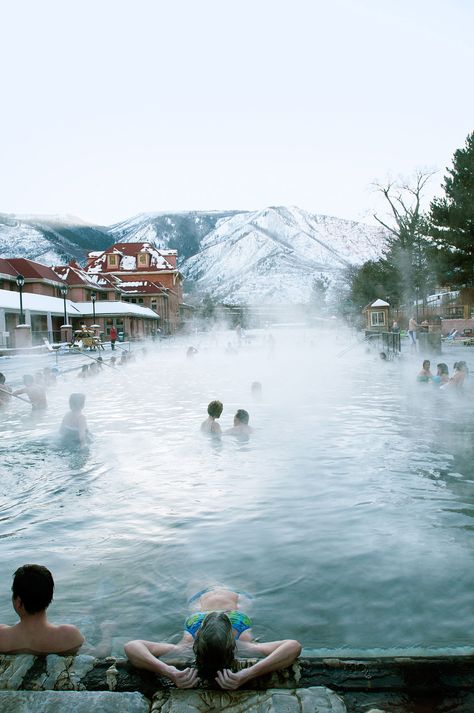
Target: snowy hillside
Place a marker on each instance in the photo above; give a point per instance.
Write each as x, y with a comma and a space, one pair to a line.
274, 255
48, 239
179, 231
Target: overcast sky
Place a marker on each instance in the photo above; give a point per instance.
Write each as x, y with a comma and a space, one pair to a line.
111, 107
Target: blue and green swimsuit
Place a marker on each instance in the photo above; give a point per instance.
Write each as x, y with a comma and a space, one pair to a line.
240, 622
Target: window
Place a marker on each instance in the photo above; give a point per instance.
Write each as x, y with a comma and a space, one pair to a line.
153, 305
377, 318
112, 260
142, 259
140, 300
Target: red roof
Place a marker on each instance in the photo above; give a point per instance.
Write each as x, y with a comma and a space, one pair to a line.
7, 269
75, 275
33, 270
159, 261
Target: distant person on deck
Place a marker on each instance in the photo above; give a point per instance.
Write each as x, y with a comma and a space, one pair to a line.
113, 337
32, 590
35, 393
5, 392
412, 327
210, 425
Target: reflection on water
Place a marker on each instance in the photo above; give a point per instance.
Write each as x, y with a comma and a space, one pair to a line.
348, 513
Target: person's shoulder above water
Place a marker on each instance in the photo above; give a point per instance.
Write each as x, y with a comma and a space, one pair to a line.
32, 593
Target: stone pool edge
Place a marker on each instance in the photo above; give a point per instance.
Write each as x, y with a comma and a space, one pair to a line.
321, 683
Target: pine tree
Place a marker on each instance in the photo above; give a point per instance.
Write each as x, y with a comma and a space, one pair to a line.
451, 221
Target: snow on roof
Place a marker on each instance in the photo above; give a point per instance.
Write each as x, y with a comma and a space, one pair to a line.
55, 305
128, 262
106, 307
379, 303
129, 252
36, 303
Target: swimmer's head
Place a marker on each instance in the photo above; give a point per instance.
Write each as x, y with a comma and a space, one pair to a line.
442, 369
214, 645
383, 356
242, 416
34, 586
426, 364
77, 401
2, 378
215, 409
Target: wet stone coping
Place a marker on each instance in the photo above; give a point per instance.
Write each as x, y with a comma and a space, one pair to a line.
313, 685
82, 672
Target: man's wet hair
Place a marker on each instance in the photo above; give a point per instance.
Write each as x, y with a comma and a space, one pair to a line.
77, 401
34, 584
242, 415
215, 409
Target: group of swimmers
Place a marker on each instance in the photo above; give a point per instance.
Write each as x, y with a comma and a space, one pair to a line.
442, 378
214, 631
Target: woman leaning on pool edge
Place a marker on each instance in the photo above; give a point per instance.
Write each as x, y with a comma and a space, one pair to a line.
214, 634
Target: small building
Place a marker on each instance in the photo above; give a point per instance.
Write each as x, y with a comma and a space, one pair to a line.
377, 316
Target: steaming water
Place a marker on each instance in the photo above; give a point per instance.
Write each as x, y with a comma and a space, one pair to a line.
349, 513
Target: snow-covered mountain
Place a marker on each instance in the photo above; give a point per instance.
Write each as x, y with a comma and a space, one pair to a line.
275, 255
272, 255
50, 240
179, 231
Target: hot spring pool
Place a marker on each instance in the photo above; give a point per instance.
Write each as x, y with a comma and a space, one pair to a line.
349, 512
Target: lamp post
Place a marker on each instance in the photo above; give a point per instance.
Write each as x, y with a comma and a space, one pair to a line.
93, 299
64, 290
20, 281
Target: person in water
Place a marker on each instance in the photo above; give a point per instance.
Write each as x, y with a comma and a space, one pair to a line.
216, 631
5, 391
35, 393
256, 390
241, 426
425, 373
442, 374
458, 377
73, 429
32, 593
210, 425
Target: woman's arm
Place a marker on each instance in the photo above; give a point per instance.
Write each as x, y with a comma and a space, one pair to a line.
278, 655
144, 654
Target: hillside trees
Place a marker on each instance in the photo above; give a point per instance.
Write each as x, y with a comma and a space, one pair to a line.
407, 250
451, 221
403, 274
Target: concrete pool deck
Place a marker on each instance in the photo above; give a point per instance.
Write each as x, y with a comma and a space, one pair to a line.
55, 684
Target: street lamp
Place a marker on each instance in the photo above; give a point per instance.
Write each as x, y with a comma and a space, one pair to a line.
93, 299
64, 290
20, 281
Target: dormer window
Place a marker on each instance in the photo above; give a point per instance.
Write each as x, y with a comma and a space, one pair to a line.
112, 260
143, 259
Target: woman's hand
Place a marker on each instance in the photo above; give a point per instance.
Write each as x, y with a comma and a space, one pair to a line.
187, 678
229, 680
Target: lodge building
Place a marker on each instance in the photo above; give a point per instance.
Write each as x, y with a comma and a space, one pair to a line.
134, 287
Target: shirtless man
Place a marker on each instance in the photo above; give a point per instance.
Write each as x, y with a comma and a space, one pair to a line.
32, 589
210, 425
35, 393
241, 424
74, 426
5, 392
